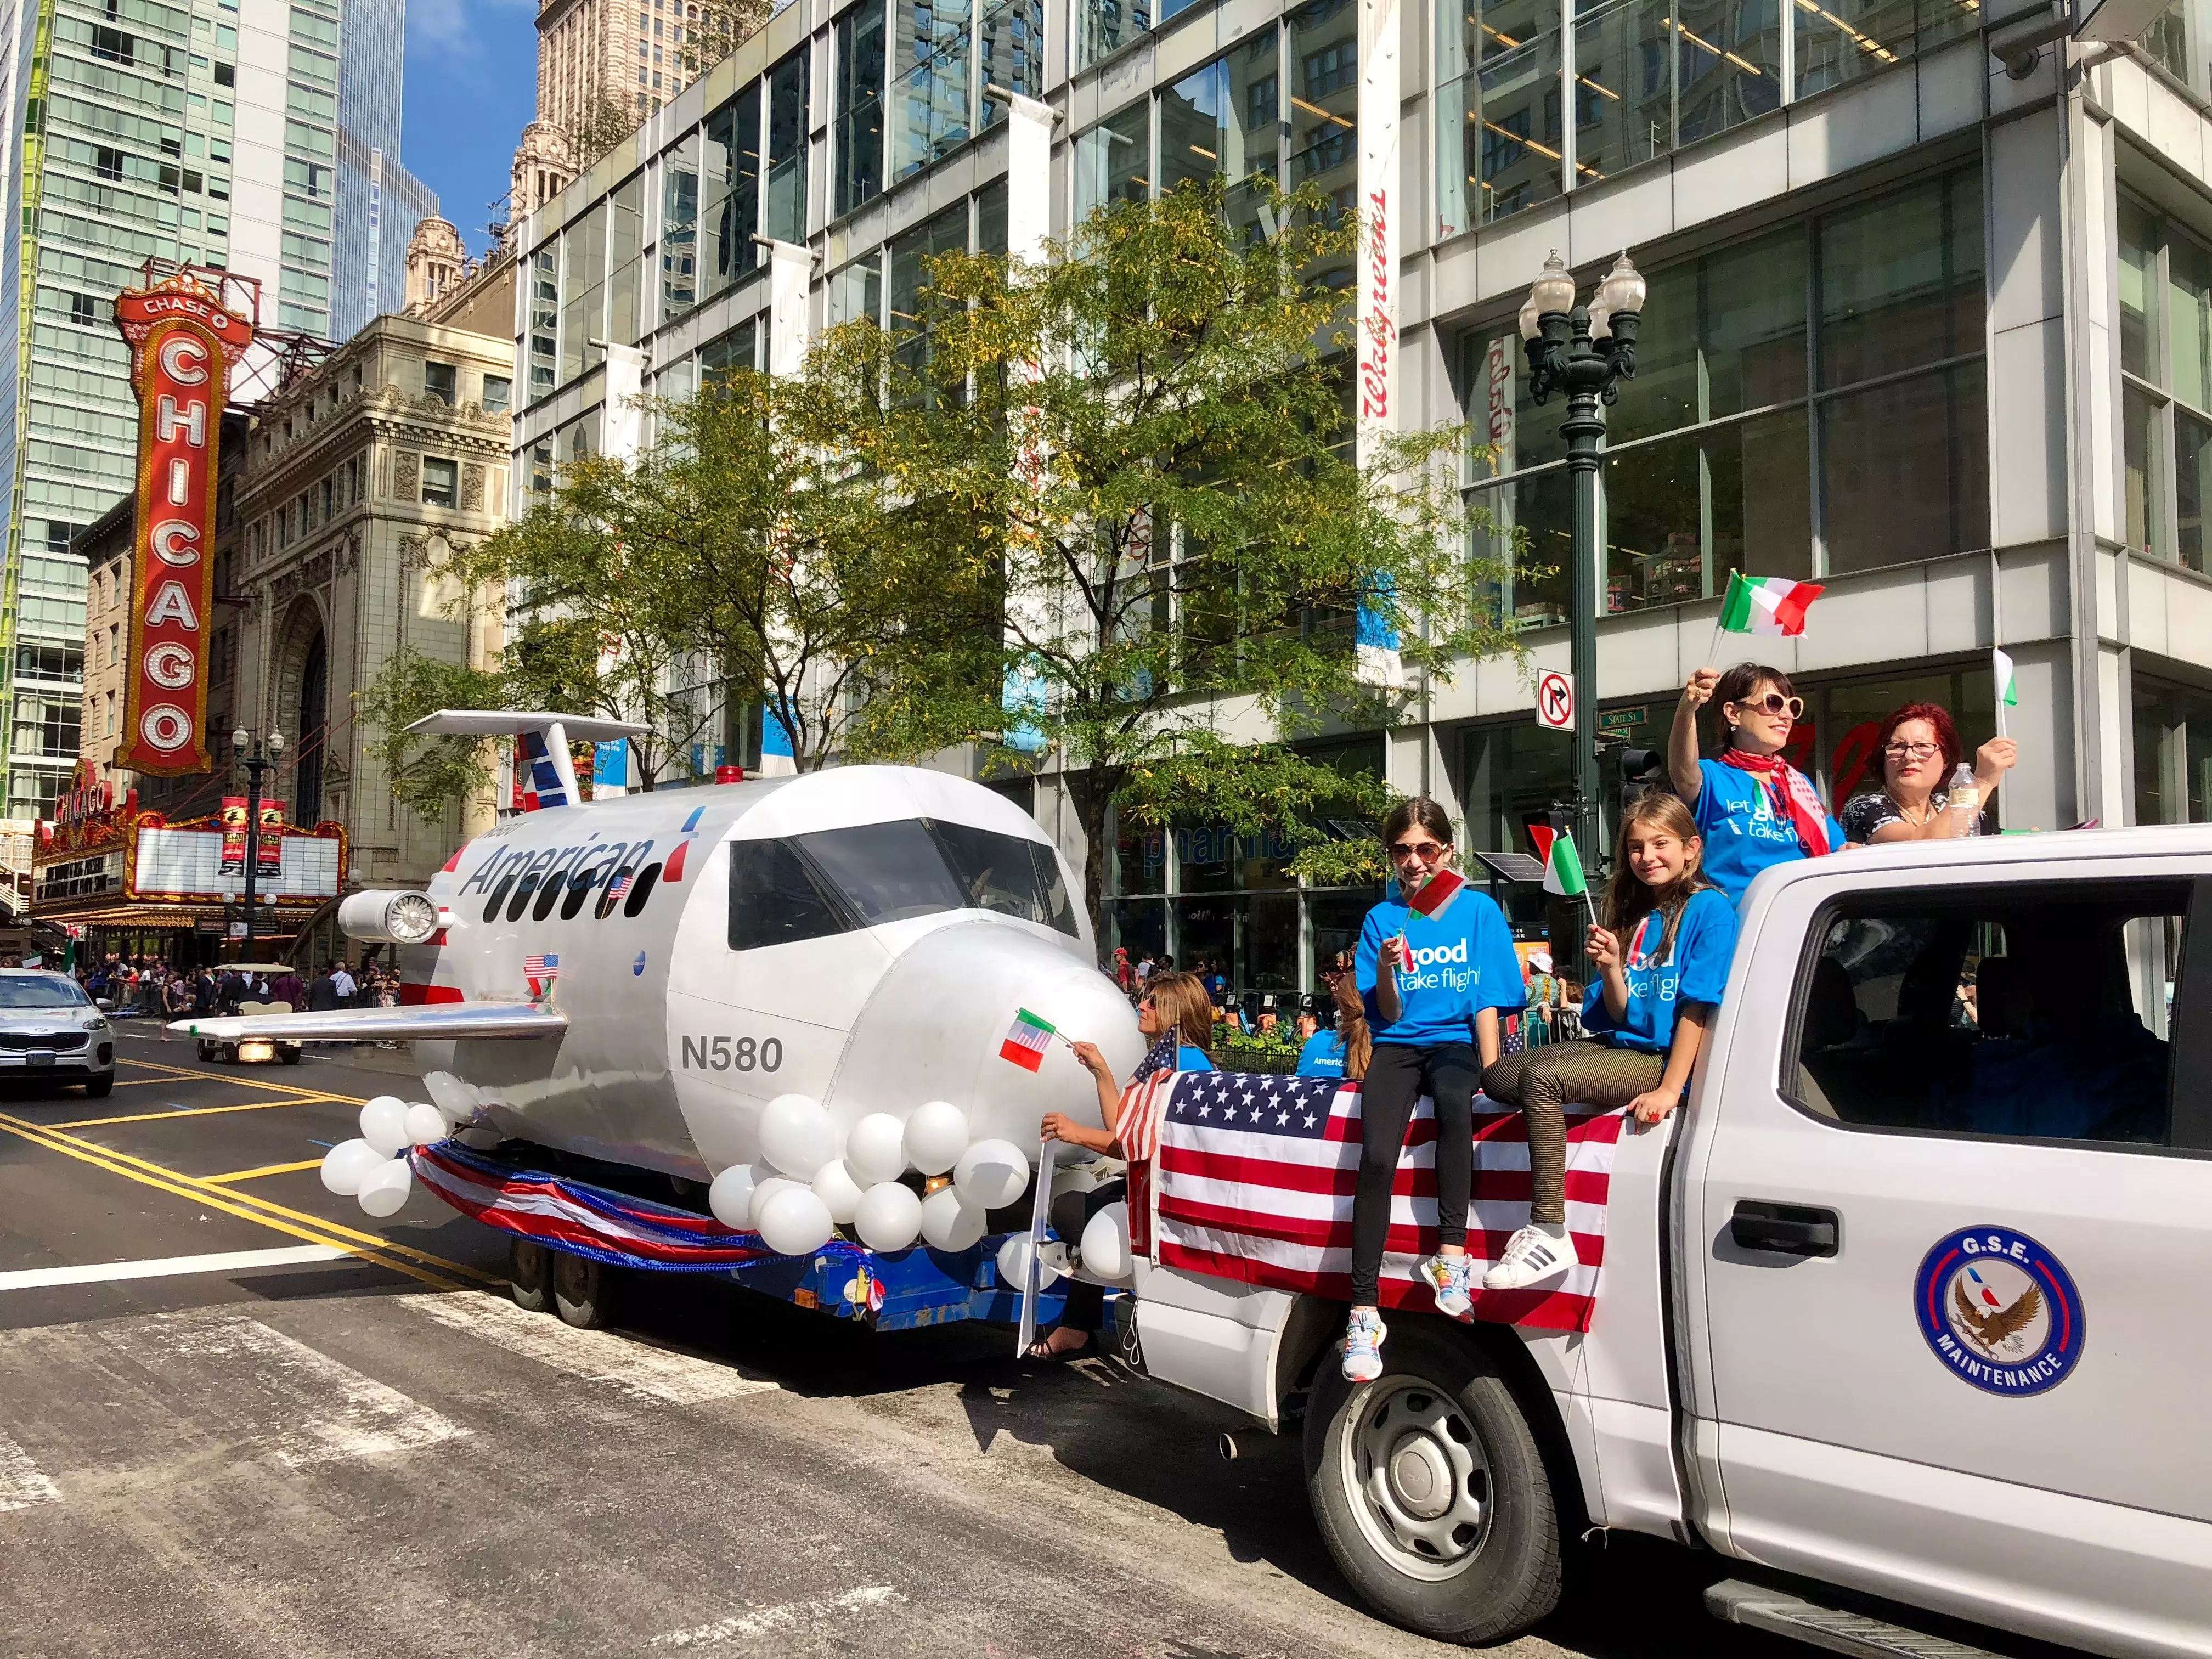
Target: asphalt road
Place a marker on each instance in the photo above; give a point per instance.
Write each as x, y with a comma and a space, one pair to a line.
335, 1436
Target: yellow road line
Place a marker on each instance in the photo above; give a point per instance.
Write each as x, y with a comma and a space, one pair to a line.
374, 1240
184, 1186
265, 1170
188, 1111
235, 1081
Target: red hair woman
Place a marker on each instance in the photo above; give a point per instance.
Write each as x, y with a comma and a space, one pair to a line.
1919, 748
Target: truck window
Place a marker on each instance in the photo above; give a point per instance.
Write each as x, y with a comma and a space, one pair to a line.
2034, 1012
774, 897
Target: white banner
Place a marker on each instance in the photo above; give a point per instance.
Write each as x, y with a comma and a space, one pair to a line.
1376, 289
788, 268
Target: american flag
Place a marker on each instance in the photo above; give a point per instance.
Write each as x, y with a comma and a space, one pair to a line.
541, 967
1253, 1179
621, 886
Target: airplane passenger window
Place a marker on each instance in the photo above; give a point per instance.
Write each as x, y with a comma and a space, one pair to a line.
2035, 1014
774, 897
885, 871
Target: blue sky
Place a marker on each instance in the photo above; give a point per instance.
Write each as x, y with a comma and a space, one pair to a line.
471, 87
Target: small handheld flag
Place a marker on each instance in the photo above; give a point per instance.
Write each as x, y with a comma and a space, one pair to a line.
1027, 1039
540, 972
1766, 605
2008, 687
1563, 865
1437, 891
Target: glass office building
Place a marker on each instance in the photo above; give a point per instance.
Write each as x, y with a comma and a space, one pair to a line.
208, 132
1929, 333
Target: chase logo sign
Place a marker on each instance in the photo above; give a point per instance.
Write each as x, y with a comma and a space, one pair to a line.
2000, 1310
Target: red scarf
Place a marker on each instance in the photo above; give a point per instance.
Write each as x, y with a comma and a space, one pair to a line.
1791, 794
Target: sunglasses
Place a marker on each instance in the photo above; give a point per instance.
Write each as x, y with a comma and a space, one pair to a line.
1775, 703
1423, 850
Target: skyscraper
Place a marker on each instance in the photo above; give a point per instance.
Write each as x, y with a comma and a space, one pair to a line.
257, 136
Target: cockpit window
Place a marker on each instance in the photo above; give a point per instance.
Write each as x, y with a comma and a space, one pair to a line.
774, 897
811, 885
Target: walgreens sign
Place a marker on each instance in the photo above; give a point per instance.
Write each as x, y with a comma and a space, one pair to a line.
183, 343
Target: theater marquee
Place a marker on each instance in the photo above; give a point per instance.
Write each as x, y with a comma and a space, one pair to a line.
183, 343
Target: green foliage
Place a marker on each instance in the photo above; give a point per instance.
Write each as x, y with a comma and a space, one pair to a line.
1144, 447
428, 774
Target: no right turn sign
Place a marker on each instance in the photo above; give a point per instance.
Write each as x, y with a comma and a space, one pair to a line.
1555, 700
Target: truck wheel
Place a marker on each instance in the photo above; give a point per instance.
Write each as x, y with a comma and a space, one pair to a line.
580, 1288
289, 1056
529, 1275
1429, 1490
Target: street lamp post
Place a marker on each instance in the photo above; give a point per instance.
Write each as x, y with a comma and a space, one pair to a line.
1584, 351
256, 758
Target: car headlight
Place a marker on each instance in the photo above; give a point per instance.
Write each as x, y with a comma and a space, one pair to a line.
95, 1023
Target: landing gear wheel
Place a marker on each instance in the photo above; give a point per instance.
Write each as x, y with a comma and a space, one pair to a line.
580, 1290
207, 1051
289, 1056
1430, 1492
529, 1275
99, 1088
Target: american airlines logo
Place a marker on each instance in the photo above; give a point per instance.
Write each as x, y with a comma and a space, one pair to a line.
542, 882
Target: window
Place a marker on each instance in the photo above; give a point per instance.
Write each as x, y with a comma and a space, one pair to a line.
1012, 45
544, 323
1114, 160
859, 139
679, 240
1722, 454
84, 310
774, 898
1223, 118
438, 381
2173, 752
929, 95
787, 149
735, 349
438, 481
583, 289
1103, 27
107, 163
498, 394
2165, 362
732, 187
2037, 1015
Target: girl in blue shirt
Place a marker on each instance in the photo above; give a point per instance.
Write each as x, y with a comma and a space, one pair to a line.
1429, 984
1752, 806
1662, 964
1344, 1052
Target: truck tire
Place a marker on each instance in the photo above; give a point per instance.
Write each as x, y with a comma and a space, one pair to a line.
529, 1275
1430, 1492
580, 1290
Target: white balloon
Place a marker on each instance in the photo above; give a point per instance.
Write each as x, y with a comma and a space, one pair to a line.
348, 1164
839, 1194
991, 1173
948, 1223
1106, 1244
386, 1188
935, 1136
875, 1148
766, 1185
426, 1125
384, 1124
731, 1197
795, 1222
888, 1217
1014, 1262
797, 1135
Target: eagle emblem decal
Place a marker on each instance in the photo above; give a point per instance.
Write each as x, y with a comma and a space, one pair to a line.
1999, 1310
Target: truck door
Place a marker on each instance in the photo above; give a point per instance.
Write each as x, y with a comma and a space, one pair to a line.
1951, 1228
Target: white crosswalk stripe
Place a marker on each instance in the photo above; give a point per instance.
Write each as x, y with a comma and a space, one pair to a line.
21, 1485
299, 1406
635, 1367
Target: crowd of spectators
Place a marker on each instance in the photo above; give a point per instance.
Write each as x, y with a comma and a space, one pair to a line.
151, 987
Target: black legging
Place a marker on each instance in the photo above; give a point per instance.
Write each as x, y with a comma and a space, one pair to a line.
1397, 1076
1084, 1309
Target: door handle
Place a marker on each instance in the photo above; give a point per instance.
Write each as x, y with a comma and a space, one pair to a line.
1784, 1229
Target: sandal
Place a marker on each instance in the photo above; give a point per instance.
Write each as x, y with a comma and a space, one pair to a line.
1043, 1352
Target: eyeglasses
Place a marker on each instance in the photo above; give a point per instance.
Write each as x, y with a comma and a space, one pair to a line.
1775, 703
1423, 850
1910, 750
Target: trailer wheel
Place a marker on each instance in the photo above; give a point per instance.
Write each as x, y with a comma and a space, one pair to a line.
580, 1290
529, 1275
1430, 1492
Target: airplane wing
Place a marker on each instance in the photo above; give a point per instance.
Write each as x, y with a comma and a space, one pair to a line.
434, 1023
545, 738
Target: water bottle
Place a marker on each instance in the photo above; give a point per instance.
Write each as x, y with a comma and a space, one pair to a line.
1965, 798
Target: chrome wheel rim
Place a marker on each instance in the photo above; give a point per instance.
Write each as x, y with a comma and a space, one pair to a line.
1417, 1477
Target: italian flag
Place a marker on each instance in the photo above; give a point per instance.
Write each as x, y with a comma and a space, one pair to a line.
2008, 686
1436, 891
1766, 605
1027, 1039
1563, 865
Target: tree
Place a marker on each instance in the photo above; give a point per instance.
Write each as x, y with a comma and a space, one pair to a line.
716, 33
1142, 447
603, 122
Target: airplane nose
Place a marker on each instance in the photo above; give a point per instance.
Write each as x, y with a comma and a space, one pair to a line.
934, 1028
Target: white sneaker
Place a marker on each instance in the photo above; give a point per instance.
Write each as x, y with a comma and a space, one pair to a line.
1531, 1256
1451, 1276
1363, 1347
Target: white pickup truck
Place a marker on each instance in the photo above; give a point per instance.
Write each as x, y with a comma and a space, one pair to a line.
1913, 1300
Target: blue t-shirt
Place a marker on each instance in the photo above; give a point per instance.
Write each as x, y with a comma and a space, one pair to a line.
1741, 833
1696, 971
1188, 1059
1463, 960
1322, 1056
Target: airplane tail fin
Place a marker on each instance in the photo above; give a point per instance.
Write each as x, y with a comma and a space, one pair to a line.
545, 738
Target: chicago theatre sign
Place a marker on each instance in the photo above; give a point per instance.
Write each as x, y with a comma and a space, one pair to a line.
183, 343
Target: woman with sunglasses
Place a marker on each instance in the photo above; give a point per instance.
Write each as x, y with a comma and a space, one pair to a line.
1429, 984
1919, 747
1752, 806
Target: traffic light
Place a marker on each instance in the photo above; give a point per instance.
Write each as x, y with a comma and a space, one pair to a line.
1641, 771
